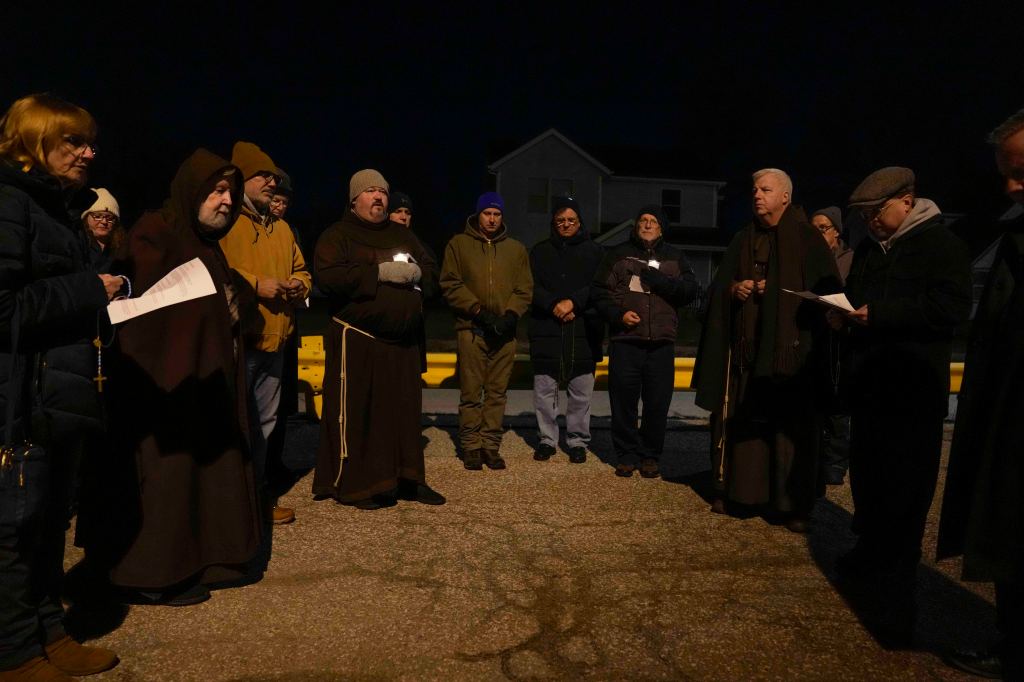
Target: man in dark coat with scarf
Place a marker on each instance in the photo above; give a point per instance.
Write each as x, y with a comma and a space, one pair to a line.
375, 273
637, 289
752, 369
983, 508
176, 509
910, 285
565, 331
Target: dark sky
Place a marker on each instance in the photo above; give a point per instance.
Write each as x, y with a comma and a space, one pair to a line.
423, 93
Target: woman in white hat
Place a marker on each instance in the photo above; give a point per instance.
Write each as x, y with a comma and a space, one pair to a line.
102, 224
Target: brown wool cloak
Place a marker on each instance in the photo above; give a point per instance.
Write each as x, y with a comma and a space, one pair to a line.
381, 430
179, 501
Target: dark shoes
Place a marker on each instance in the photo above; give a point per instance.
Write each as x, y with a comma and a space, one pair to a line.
185, 596
981, 663
472, 460
578, 454
74, 659
493, 459
649, 468
798, 524
373, 502
419, 492
624, 470
544, 452
718, 506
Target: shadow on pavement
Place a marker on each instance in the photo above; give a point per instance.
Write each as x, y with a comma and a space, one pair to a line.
948, 614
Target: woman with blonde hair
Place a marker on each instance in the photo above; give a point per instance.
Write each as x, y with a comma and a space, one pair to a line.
49, 301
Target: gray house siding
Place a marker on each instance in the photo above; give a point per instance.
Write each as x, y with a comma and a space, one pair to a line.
623, 196
549, 159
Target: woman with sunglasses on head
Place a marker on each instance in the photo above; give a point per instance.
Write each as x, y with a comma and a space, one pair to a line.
49, 300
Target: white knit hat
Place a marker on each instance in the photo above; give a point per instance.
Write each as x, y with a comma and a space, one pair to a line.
105, 201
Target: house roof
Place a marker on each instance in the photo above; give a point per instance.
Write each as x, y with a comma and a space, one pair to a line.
550, 132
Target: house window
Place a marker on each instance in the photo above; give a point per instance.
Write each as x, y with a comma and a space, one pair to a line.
537, 195
541, 190
671, 202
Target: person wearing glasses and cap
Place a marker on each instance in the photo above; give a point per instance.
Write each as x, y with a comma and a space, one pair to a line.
910, 285
103, 229
262, 251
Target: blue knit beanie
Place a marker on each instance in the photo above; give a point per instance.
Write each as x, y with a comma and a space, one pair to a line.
490, 200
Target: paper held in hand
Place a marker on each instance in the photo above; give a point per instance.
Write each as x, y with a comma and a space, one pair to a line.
183, 283
838, 301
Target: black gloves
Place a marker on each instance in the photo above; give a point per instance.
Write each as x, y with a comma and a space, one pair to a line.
489, 324
654, 280
506, 324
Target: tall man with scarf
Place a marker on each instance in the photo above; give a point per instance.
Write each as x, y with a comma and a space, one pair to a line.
910, 283
751, 371
375, 273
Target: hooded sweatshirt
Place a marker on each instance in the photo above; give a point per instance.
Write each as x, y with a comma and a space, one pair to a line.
485, 273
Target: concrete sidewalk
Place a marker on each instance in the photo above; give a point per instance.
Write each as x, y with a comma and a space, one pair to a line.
547, 570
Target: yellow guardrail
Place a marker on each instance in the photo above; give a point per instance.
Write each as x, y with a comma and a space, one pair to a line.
441, 369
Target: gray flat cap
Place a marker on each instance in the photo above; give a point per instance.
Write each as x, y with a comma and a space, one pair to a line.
883, 184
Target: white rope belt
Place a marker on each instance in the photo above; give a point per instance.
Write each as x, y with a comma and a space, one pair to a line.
342, 412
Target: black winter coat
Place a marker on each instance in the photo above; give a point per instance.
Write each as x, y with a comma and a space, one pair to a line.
45, 276
982, 508
564, 269
664, 289
917, 293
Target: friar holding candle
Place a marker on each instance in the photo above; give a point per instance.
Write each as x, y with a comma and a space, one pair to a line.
375, 273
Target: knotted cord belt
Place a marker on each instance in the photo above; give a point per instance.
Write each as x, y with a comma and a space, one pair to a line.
342, 411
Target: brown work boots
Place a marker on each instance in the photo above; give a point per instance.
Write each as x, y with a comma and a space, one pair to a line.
475, 459
63, 660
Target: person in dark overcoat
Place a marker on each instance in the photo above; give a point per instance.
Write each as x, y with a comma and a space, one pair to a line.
983, 508
910, 285
753, 371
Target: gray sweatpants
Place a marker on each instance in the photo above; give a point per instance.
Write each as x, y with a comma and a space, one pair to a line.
577, 409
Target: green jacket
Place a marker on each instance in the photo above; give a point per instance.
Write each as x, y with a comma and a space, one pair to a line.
489, 274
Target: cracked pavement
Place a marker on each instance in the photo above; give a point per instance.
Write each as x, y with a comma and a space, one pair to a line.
547, 570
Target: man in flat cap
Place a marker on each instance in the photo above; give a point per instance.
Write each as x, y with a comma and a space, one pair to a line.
375, 274
752, 371
910, 284
262, 251
983, 508
835, 424
487, 282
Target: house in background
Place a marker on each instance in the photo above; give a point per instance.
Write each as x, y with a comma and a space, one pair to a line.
551, 165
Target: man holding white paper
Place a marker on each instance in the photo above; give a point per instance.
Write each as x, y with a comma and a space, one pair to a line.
174, 508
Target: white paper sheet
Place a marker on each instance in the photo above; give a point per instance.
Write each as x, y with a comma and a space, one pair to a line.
183, 283
832, 300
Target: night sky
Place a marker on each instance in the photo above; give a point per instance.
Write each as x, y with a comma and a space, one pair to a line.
427, 94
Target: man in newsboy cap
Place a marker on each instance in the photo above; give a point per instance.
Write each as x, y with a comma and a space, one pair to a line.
910, 285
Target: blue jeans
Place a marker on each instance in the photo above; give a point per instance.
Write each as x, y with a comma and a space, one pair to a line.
35, 490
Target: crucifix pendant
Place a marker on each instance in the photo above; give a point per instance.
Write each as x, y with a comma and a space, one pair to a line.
99, 378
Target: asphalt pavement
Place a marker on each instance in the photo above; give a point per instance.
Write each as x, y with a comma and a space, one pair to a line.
547, 570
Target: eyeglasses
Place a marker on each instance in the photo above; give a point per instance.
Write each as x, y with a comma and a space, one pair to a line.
825, 228
268, 176
108, 218
79, 143
869, 214
567, 221
648, 222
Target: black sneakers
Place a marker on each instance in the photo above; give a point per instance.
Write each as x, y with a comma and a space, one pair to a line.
543, 452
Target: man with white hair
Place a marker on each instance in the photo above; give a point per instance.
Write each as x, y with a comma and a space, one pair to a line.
751, 369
